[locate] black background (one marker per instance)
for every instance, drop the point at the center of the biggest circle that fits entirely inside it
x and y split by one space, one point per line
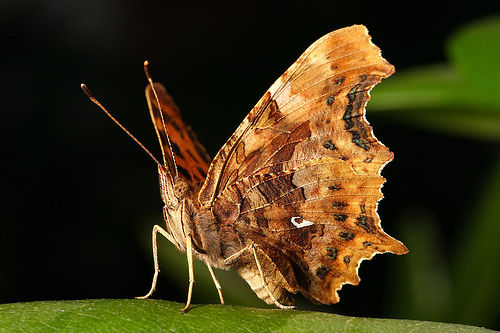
80 198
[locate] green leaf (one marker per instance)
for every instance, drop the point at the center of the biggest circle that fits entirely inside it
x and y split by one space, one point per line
474 51
155 316
461 98
434 86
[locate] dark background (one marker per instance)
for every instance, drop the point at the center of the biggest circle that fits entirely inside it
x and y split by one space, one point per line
80 198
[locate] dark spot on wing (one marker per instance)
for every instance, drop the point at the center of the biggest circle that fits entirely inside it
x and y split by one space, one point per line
366 223
347 236
322 271
176 150
177 128
192 155
338 81
363 208
339 204
329 145
357 140
335 187
331 253
340 217
201 152
184 172
352 93
202 172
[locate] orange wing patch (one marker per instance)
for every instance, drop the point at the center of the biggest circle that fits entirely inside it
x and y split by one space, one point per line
191 158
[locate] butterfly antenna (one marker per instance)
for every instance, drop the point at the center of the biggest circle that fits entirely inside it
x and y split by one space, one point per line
92 98
151 83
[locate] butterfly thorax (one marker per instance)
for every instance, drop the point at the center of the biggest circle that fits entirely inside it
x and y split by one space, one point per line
184 217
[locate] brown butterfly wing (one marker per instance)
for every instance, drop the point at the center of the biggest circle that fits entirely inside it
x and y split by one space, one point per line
320 98
189 156
341 228
306 154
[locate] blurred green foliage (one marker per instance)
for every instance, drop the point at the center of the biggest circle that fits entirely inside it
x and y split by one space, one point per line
461 97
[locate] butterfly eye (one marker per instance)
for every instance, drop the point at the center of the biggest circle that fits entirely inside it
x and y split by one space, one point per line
181 189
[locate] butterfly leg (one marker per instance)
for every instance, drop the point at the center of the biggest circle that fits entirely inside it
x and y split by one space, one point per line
156 229
217 284
278 304
252 247
232 258
189 254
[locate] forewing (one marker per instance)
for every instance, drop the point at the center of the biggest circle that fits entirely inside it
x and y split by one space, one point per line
314 110
191 159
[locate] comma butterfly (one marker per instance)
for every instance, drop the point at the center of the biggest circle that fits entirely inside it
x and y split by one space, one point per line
290 201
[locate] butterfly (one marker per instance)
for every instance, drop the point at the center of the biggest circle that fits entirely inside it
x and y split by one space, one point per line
290 201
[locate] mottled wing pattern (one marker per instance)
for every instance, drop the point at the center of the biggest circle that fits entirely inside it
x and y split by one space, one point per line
321 96
300 177
315 223
191 159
